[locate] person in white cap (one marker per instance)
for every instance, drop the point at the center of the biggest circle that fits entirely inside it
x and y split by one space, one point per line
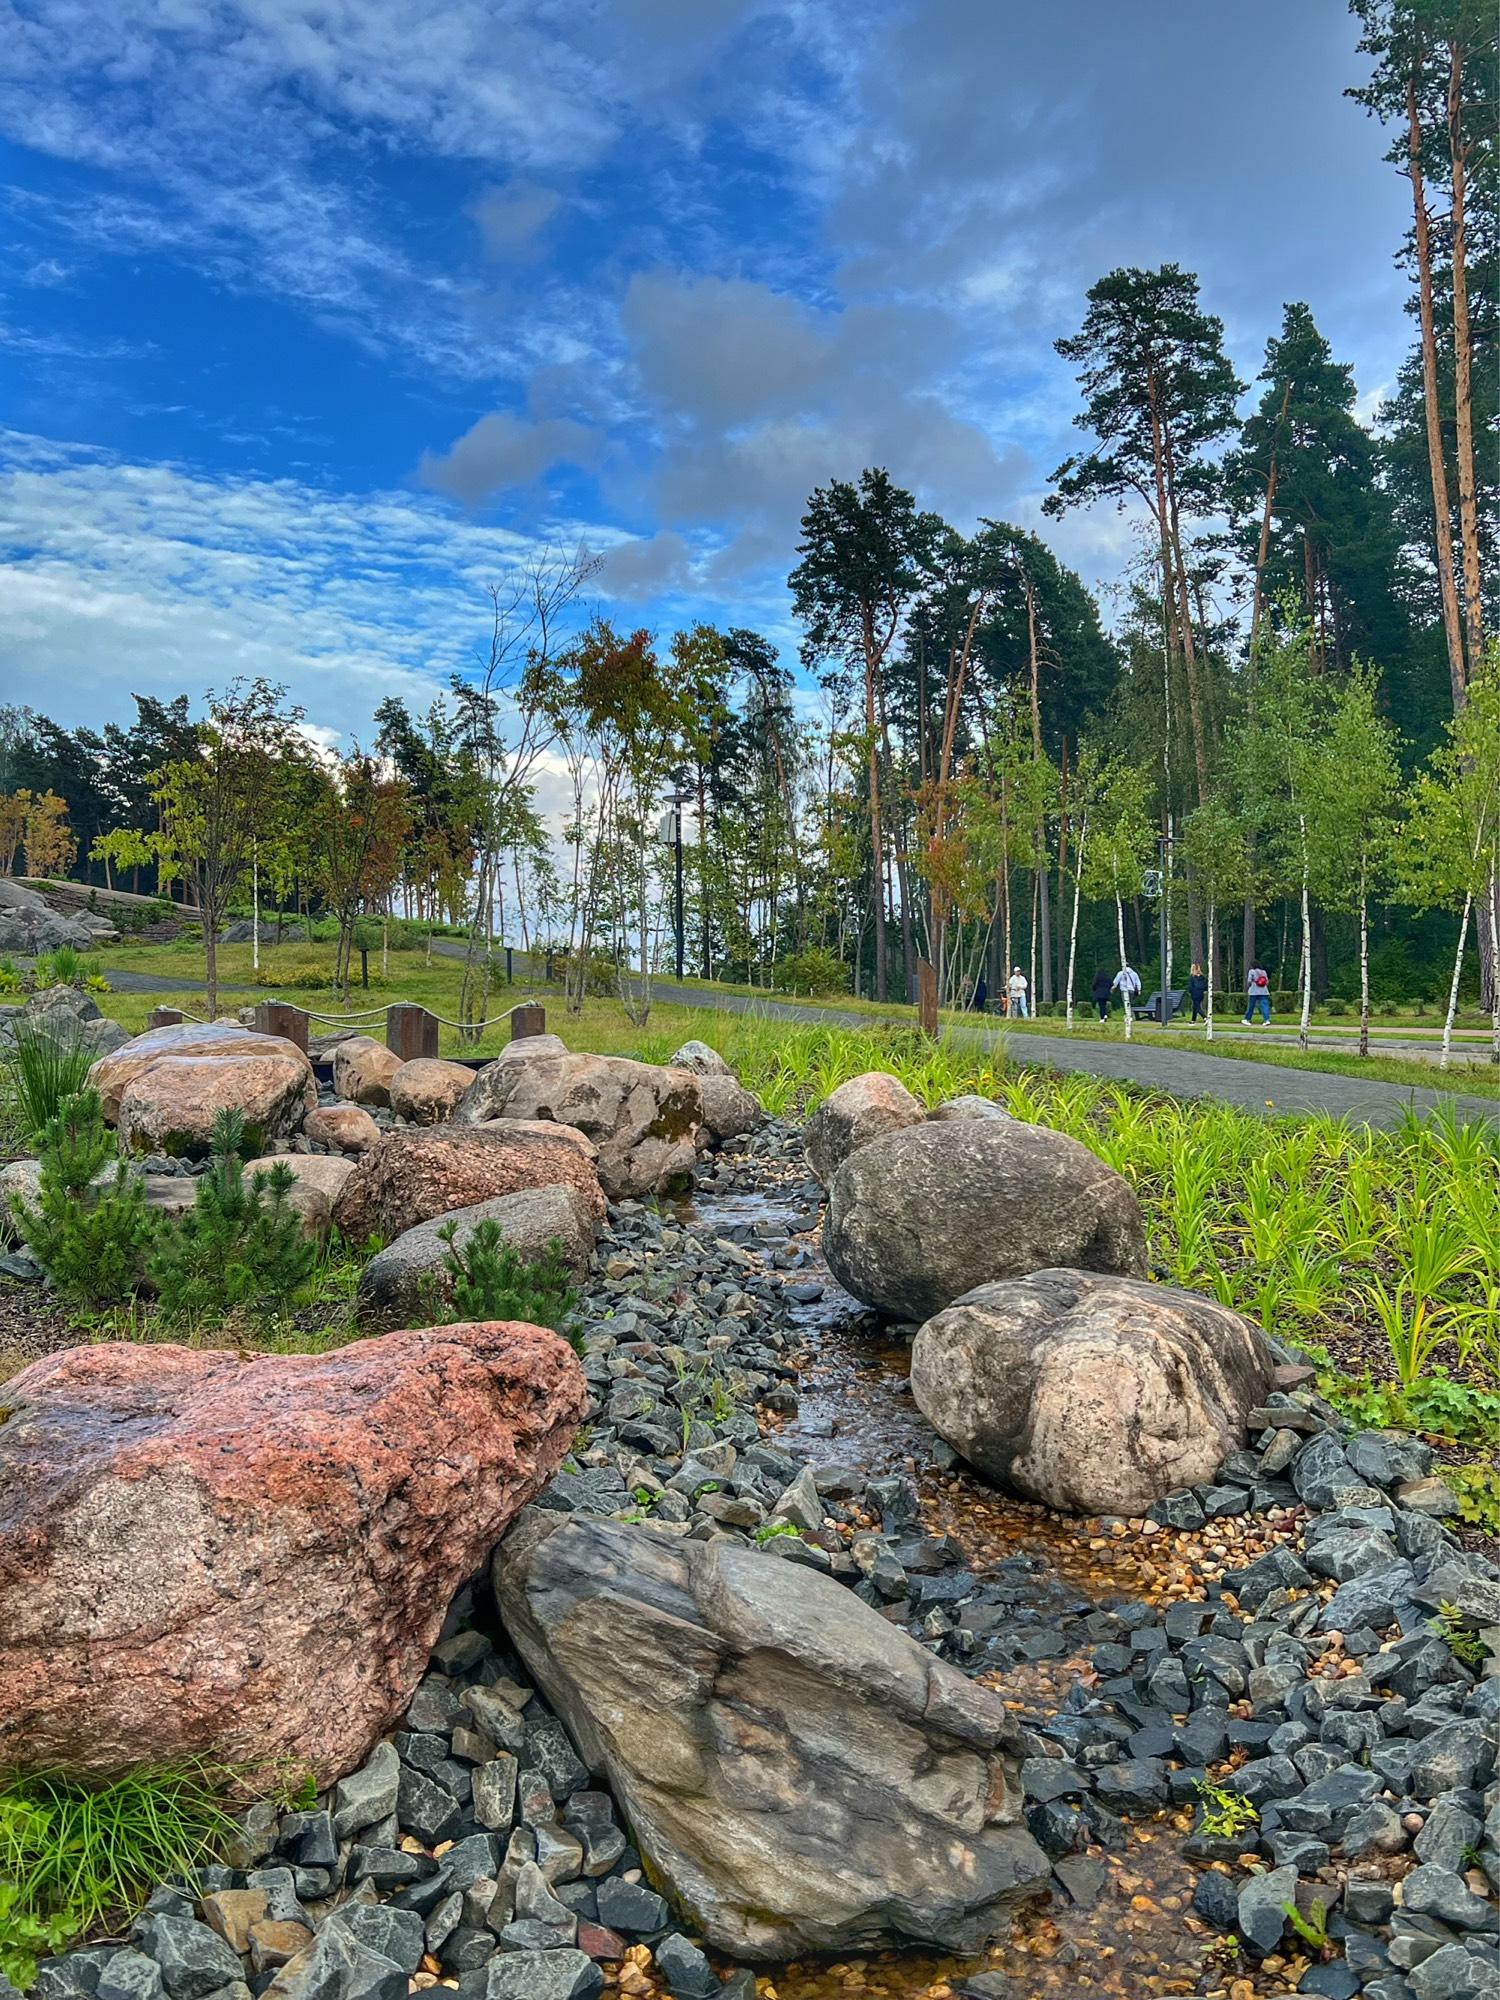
1015 991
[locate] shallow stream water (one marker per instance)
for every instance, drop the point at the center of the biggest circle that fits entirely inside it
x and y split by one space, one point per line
1128 1937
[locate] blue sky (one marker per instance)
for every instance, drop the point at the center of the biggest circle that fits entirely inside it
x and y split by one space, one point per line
319 315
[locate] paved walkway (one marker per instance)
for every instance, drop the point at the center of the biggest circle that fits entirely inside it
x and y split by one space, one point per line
1260 1087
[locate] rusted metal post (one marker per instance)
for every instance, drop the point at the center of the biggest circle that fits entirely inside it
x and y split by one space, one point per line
277 1017
411 1031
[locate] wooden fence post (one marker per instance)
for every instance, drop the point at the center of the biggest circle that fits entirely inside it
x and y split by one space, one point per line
277 1017
927 995
528 1020
410 1031
164 1017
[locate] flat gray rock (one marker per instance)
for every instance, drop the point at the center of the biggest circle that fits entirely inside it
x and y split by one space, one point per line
798 1773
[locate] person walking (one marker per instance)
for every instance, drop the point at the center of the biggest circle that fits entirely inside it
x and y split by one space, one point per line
1103 987
1258 995
1198 993
1128 980
1016 991
981 995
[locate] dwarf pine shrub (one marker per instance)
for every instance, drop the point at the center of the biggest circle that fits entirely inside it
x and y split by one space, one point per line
239 1245
91 1239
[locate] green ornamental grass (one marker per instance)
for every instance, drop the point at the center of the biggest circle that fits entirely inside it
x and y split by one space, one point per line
76 1856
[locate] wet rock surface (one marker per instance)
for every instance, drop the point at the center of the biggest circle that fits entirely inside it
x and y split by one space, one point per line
1204 1718
919 1217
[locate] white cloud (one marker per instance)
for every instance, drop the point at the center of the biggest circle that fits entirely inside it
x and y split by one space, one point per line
119 577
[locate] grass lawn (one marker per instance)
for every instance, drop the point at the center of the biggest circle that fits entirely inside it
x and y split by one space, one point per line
298 973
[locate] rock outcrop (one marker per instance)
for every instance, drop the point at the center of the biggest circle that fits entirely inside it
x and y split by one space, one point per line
412 1177
800 1776
163 1089
363 1069
1093 1395
397 1284
864 1108
919 1217
427 1092
203 1555
67 1018
641 1117
28 924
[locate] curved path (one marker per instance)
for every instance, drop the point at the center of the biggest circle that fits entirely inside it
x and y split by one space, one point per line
1260 1087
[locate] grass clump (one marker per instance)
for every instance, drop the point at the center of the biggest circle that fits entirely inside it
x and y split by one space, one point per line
241 1243
76 1856
41 1072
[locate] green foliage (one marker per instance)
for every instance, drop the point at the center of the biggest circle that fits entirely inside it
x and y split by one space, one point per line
814 970
1313 1928
1434 1403
64 966
240 1245
1462 1643
91 1241
1478 1489
1224 1815
492 1281
774 1531
41 1073
72 1856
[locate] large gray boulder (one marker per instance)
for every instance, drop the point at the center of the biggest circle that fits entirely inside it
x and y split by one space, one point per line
643 1118
729 1109
404 1281
919 1217
67 1018
1091 1394
486 1095
864 1108
28 924
798 1774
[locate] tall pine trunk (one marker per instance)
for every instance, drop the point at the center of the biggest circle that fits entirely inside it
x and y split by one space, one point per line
1436 460
1463 358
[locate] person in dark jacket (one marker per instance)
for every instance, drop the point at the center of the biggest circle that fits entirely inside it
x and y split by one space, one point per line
1198 993
1103 987
981 995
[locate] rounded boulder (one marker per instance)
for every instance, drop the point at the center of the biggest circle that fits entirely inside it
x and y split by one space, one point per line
411 1177
362 1070
164 1089
206 1554
859 1111
919 1217
1089 1393
426 1091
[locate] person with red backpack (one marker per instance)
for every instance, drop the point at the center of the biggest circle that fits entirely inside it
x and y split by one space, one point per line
1258 996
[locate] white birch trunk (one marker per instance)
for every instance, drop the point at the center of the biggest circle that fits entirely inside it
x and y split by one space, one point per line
1458 966
1364 962
1213 943
1306 942
1124 990
1077 895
